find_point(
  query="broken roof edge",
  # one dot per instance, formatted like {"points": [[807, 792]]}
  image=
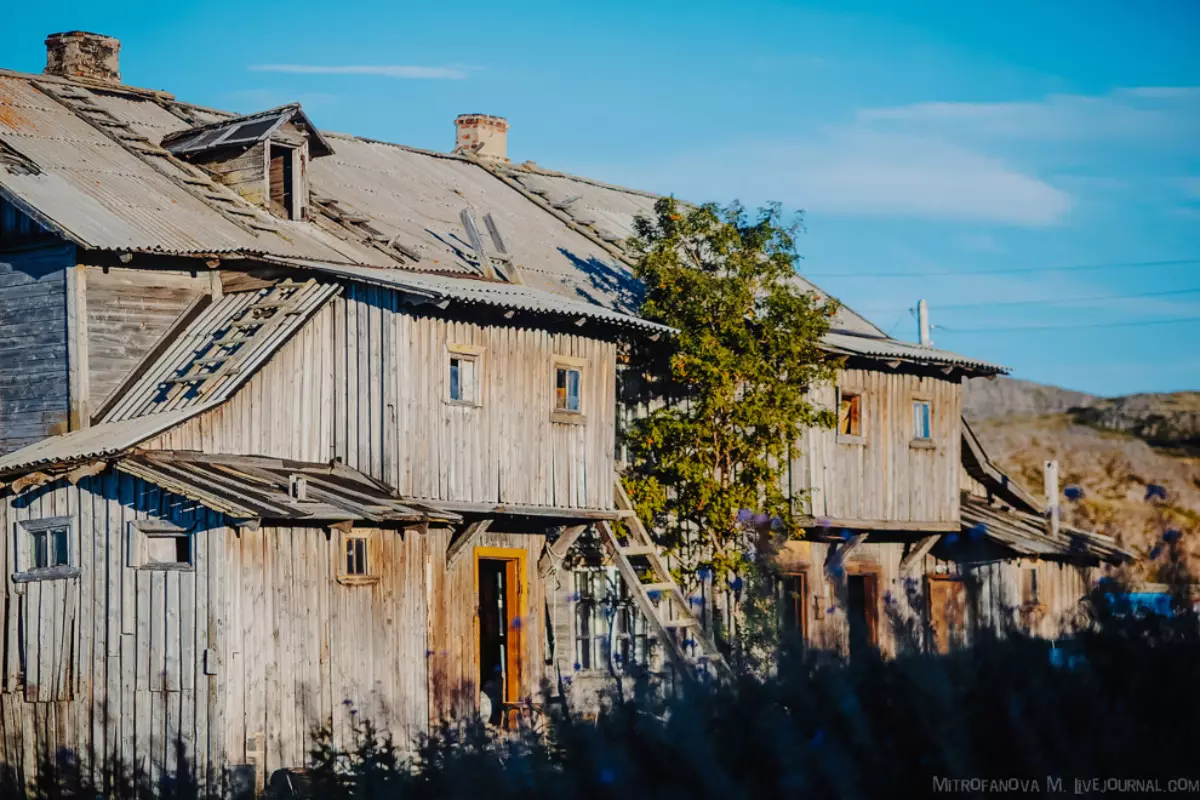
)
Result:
{"points": [[888, 349], [435, 286]]}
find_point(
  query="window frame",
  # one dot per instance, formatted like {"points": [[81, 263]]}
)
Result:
{"points": [[568, 364], [925, 442], [293, 201], [23, 533], [632, 635], [473, 353], [140, 531], [859, 438], [369, 539]]}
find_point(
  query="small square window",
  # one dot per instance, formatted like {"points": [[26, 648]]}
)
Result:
{"points": [[45, 548], [50, 548], [567, 388], [850, 414], [159, 544], [356, 555], [921, 420]]}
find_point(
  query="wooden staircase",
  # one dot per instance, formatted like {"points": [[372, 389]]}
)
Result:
{"points": [[661, 601]]}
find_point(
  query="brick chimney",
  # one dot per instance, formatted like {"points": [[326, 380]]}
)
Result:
{"points": [[482, 135], [78, 54]]}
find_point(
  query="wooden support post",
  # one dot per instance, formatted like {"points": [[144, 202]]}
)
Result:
{"points": [[555, 553], [919, 550], [1050, 486], [77, 347], [461, 544], [838, 553]]}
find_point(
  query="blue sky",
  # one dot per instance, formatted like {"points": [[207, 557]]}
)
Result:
{"points": [[952, 143]]}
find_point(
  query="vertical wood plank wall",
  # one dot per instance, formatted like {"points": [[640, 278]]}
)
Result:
{"points": [[285, 410], [885, 478], [394, 422], [127, 311], [132, 640], [365, 381], [453, 656], [303, 650], [33, 338]]}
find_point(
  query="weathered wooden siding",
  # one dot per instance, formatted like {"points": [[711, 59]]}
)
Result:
{"points": [[304, 650], [285, 410], [394, 422], [885, 478], [244, 172], [365, 381], [132, 641], [454, 650], [34, 393], [127, 311]]}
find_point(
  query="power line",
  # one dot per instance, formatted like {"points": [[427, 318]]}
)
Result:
{"points": [[1003, 271], [1070, 327], [1059, 301]]}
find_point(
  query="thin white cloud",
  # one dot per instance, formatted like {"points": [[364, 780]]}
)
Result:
{"points": [[859, 172], [384, 70], [1123, 114]]}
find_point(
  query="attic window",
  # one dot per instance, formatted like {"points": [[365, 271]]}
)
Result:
{"points": [[281, 180]]}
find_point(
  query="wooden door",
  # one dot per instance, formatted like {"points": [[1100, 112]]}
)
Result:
{"points": [[947, 613]]}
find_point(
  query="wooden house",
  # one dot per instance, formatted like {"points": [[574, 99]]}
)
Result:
{"points": [[296, 425]]}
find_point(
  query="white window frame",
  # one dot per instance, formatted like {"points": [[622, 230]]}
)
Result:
{"points": [[138, 536], [469, 352], [922, 441], [569, 363], [23, 532]]}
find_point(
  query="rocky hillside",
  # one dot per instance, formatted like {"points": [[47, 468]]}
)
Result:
{"points": [[1118, 451]]}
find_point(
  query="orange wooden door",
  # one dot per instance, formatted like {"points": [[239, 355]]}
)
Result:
{"points": [[947, 613]]}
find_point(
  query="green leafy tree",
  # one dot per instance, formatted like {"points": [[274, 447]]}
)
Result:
{"points": [[708, 467]]}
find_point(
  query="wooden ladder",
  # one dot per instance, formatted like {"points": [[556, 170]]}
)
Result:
{"points": [[661, 601]]}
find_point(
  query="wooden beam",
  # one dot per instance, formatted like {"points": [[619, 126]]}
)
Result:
{"points": [[77, 347], [878, 525], [919, 551], [464, 540], [31, 481], [838, 553], [554, 554], [86, 471]]}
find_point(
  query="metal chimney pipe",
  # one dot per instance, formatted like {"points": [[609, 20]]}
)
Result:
{"points": [[923, 322], [1050, 487]]}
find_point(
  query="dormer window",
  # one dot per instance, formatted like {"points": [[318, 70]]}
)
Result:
{"points": [[281, 186], [263, 157]]}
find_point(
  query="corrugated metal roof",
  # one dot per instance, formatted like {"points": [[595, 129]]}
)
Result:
{"points": [[874, 347], [244, 329], [262, 487], [101, 192], [469, 290], [98, 441]]}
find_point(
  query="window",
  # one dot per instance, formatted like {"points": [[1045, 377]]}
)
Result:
{"points": [[567, 383], [606, 616], [464, 374], [356, 555], [1029, 587], [850, 418], [281, 181], [921, 420], [464, 382], [159, 544], [45, 548]]}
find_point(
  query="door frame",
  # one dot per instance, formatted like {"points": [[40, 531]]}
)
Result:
{"points": [[515, 559], [930, 580], [872, 607]]}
